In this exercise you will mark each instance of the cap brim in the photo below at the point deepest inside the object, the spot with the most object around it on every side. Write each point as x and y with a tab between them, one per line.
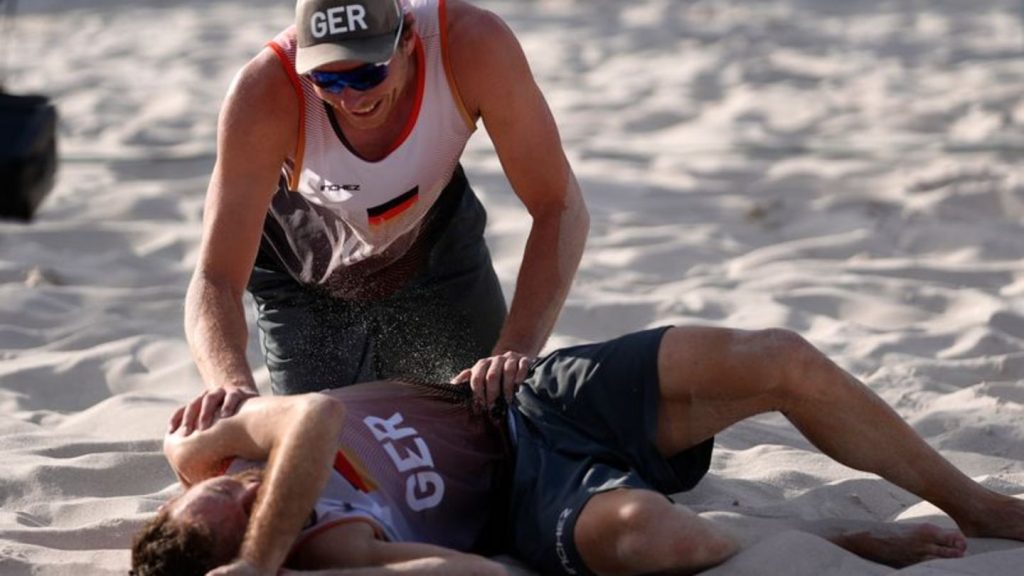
377	49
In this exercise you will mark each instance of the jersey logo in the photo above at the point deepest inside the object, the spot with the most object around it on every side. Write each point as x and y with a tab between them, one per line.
332	187
388	210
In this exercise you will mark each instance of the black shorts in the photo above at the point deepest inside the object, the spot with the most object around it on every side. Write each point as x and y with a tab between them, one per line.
586	423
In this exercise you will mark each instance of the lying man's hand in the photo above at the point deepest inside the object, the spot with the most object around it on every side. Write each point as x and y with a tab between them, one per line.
211	405
495	376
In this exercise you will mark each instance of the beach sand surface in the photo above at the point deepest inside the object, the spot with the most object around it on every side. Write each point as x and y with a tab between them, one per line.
847	169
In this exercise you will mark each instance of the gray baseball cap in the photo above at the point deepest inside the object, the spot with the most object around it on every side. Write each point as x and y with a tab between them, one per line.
332	30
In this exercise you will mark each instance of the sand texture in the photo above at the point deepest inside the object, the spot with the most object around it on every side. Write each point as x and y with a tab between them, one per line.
848	169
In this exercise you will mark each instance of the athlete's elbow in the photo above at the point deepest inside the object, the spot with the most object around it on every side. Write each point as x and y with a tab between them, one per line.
322	408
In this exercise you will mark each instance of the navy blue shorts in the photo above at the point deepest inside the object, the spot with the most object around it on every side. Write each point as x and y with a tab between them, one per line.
585	423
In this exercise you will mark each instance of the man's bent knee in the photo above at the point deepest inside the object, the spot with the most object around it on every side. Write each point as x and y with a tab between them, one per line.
639	531
795	362
653	527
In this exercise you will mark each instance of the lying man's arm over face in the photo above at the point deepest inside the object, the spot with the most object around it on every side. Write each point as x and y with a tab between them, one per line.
297	435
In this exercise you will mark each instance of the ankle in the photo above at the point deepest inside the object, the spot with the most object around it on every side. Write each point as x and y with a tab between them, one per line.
978	509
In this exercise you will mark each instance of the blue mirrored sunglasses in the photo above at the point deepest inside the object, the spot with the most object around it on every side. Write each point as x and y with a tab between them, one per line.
362	78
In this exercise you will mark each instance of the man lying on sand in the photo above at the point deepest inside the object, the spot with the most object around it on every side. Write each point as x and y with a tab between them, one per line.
395	476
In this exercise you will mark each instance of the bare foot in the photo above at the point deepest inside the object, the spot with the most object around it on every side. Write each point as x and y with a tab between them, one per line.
903	544
1001	517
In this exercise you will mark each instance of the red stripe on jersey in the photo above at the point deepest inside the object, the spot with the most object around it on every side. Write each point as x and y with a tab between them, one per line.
349	471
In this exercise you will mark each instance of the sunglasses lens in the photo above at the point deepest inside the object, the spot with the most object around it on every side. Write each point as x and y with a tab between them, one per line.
363	78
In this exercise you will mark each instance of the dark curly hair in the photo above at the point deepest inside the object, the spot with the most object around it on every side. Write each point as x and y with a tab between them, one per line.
167	548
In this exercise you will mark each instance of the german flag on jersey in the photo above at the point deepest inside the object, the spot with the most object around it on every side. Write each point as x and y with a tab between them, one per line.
352	469
382	213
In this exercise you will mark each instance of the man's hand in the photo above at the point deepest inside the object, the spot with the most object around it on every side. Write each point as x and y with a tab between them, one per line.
240	568
495	376
210	405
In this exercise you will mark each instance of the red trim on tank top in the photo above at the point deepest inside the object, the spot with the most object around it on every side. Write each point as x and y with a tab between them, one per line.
449	72
421	81
300	145
409	124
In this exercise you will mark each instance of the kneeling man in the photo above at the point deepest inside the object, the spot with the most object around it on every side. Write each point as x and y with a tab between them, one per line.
571	478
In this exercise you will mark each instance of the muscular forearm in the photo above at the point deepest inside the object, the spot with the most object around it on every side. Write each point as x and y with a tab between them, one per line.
217	333
552	255
296	472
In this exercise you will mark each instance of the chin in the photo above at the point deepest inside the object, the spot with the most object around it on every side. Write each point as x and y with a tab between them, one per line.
372	120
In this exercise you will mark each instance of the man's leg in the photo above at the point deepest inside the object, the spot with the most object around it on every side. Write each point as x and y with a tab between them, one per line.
891	543
711	378
641	531
309	340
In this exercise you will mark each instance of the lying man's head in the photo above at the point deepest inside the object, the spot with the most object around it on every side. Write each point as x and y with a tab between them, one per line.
199	530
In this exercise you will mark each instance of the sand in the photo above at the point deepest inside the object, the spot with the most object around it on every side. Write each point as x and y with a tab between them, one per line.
847	169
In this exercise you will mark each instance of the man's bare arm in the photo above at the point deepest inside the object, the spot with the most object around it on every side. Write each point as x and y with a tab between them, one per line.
496	83
461	565
299	464
257	130
297	435
353	550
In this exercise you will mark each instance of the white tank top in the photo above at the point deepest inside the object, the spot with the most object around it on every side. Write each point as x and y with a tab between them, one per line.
341	502
354	211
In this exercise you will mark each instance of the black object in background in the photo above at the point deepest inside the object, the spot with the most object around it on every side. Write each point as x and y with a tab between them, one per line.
28	145
28	153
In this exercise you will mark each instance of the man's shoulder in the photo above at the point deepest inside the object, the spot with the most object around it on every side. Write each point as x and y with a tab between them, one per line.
263	99
479	42
267	72
471	24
